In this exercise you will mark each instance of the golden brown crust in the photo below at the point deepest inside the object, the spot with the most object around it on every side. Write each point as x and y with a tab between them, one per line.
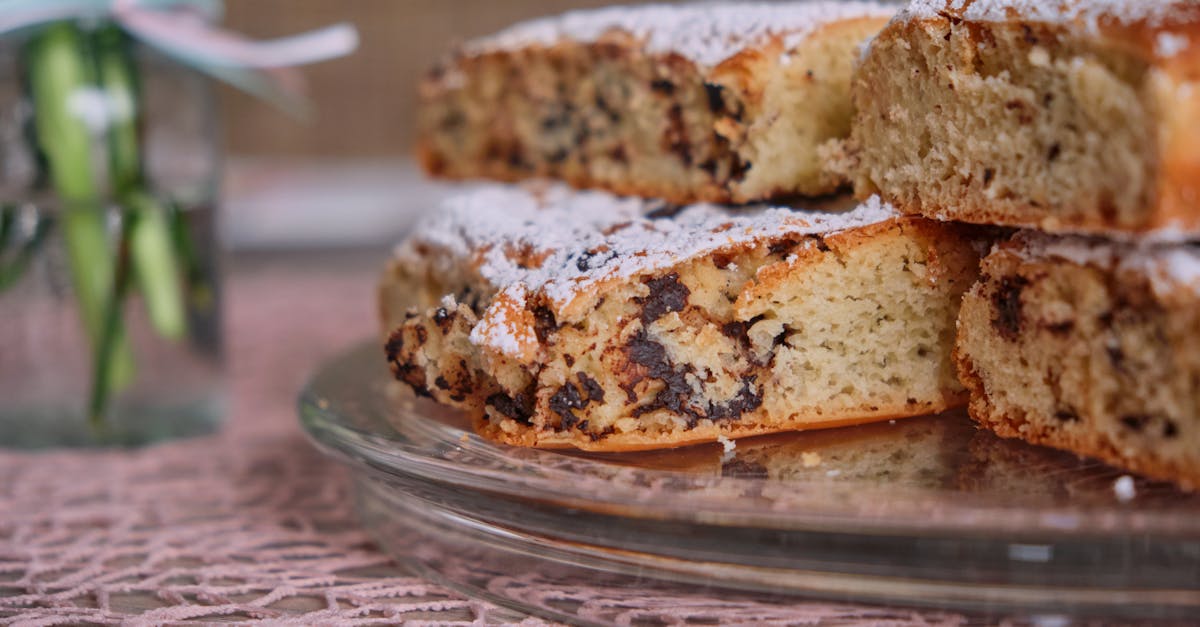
1083	359
684	133
728	342
632	442
1131	49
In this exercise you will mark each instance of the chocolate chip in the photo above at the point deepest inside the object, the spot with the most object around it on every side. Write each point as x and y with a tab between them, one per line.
569	359
566	399
544	323
663	86
1116	357
1170	429
441	382
783	247
603	106
595	393
588	260
1061	328
1135	422
519	408
1008	316
748	398
1066	415
988	175
422	334
664	211
667	294
1028	36
716	101
1054	153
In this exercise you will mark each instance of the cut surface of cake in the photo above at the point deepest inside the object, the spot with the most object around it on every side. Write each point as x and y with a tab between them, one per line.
717	102
1089	346
580	319
1068	116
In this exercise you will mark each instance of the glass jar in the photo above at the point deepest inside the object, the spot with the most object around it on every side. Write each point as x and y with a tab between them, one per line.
110	326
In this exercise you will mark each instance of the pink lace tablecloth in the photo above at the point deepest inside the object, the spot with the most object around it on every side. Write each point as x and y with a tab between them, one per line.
251	524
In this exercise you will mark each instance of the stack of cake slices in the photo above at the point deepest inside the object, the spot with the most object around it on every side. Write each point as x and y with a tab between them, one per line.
666	259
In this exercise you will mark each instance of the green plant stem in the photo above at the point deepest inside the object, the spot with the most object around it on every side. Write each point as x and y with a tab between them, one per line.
104	358
13	265
157	271
58	70
152	255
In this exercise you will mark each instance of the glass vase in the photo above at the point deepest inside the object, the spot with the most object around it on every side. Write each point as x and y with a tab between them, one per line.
110	325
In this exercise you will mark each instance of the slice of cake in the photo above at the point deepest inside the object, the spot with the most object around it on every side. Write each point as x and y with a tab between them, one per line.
1067	115
1091	347
719	102
582	319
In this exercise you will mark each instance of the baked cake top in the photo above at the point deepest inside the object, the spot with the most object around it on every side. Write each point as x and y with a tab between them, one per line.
1169	267
567	245
1171	24
705	33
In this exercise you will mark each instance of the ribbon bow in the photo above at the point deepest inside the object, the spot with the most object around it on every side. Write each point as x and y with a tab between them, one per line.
185	30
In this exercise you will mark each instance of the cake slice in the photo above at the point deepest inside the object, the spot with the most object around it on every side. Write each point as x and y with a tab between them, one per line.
1089	346
579	319
1066	115
719	102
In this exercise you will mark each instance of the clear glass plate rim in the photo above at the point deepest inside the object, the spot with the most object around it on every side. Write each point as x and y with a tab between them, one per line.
392	454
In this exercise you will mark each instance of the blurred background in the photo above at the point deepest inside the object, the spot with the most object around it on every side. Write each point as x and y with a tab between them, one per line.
345	178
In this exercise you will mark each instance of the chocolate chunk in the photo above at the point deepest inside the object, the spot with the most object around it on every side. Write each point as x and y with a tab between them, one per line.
1008	316
595	393
1061	328
441	382
739	169
609	112
783	247
667	294
749	398
1116	357
544	323
1136	422
1066	415
519	408
588	260
566	399
663	86
664	211
716	99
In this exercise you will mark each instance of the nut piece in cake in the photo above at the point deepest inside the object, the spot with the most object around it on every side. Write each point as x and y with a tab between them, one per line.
590	321
719	102
1068	115
1091	347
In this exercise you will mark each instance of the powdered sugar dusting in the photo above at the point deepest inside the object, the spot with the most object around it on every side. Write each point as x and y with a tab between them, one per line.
562	243
1169	267
1088	14
706	33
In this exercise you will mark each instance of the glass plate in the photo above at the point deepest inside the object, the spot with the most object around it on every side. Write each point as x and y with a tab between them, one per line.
926	511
